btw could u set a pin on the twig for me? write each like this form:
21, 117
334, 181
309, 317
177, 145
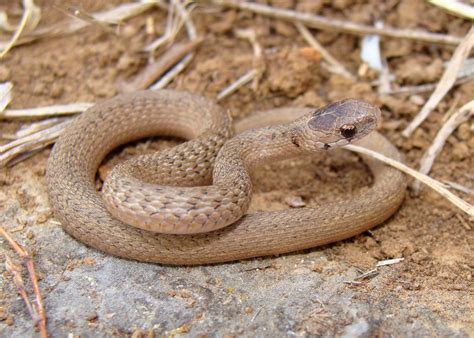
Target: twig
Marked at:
435, 185
5, 95
463, 222
191, 31
446, 82
169, 76
320, 22
155, 70
31, 142
254, 74
16, 271
460, 116
258, 59
56, 110
244, 79
459, 187
37, 311
427, 87
334, 65
367, 275
171, 30
35, 127
389, 262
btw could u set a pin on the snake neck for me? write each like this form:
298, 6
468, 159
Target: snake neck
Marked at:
255, 147
268, 144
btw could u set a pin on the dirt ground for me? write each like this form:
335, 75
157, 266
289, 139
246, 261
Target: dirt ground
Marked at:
88, 293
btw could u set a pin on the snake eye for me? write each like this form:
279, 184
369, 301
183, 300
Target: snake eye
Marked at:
348, 130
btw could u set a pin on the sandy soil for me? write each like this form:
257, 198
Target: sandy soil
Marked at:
87, 293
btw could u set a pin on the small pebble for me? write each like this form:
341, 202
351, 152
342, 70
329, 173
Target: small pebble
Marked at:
9, 321
39, 88
295, 201
129, 30
125, 62
417, 99
460, 151
5, 73
464, 132
56, 90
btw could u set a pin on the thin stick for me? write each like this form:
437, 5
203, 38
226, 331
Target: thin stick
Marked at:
446, 82
16, 271
170, 75
191, 31
335, 66
427, 87
31, 142
37, 126
460, 116
155, 70
234, 86
435, 185
258, 59
320, 22
169, 35
459, 187
40, 322
56, 110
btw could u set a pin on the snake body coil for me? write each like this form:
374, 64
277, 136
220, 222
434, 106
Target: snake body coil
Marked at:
131, 197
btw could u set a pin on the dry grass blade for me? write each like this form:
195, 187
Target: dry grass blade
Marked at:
169, 76
389, 262
234, 86
335, 66
461, 115
37, 310
446, 82
5, 25
37, 126
320, 22
29, 21
88, 18
435, 185
459, 187
258, 59
173, 27
5, 95
191, 31
117, 14
31, 142
56, 110
254, 74
456, 7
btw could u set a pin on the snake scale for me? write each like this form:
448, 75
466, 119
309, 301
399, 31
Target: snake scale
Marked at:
171, 191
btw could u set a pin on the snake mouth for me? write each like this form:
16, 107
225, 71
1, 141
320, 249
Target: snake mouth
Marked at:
348, 131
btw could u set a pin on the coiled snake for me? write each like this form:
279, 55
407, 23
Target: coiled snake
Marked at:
169, 192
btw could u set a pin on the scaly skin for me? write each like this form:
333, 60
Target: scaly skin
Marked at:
80, 208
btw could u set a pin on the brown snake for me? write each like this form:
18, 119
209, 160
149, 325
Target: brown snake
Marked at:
132, 197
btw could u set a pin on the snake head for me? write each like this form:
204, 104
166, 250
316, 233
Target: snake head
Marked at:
338, 124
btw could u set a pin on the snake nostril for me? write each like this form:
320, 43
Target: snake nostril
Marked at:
348, 130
